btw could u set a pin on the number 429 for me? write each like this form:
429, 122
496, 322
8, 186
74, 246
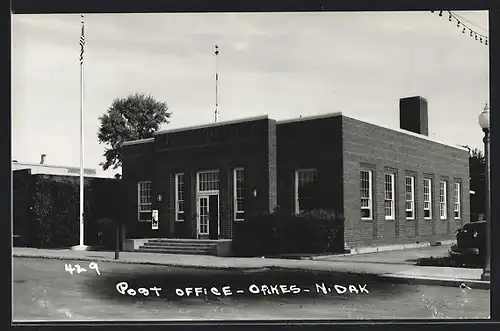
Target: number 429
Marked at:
69, 268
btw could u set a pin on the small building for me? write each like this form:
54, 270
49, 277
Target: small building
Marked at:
46, 203
393, 186
56, 170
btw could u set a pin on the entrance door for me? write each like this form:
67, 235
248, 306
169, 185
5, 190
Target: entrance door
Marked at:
203, 215
213, 210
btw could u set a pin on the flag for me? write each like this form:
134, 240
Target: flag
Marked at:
82, 42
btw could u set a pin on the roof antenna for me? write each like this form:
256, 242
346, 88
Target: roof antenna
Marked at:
216, 82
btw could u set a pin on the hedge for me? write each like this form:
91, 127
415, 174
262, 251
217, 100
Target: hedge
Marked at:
53, 207
314, 232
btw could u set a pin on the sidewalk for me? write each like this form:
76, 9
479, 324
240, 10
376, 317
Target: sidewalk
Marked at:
413, 274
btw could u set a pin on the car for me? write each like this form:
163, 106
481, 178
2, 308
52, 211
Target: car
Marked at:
471, 240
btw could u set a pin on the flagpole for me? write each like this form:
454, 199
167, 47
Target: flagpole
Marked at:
216, 82
81, 246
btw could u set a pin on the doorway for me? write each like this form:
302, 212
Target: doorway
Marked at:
208, 216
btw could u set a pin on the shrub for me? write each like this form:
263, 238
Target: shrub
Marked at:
315, 232
54, 220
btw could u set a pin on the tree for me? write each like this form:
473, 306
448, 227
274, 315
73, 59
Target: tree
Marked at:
477, 182
135, 117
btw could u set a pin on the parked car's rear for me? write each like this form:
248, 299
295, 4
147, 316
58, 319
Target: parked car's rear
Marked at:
471, 240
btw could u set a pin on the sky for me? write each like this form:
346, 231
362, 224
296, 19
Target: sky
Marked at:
283, 65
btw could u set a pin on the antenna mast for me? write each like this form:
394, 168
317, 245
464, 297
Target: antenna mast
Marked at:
216, 82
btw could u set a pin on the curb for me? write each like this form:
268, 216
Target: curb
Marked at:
474, 284
410, 280
110, 260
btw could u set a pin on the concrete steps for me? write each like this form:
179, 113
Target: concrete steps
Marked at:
179, 246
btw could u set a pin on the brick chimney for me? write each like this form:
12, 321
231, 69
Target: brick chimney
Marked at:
42, 158
413, 115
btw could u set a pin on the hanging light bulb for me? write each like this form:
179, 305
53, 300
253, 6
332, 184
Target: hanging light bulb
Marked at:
440, 13
481, 40
471, 33
463, 31
458, 24
486, 42
476, 37
449, 18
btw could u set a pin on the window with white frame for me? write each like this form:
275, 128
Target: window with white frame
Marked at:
442, 200
410, 197
179, 197
144, 200
389, 197
208, 180
456, 201
427, 198
238, 182
366, 194
306, 190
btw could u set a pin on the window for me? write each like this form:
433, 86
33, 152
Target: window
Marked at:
366, 195
389, 196
208, 181
306, 190
144, 200
179, 197
238, 179
442, 200
427, 198
456, 201
410, 197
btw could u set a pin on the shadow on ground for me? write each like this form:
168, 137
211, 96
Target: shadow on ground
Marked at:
472, 262
311, 285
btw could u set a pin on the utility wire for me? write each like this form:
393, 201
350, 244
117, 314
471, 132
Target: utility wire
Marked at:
465, 28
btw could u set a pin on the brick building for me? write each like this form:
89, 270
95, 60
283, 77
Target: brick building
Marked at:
393, 186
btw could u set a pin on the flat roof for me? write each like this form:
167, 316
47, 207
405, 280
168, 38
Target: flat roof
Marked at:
336, 114
195, 127
52, 166
292, 120
210, 125
138, 141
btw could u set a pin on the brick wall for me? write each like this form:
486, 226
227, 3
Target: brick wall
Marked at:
249, 144
137, 166
379, 149
313, 143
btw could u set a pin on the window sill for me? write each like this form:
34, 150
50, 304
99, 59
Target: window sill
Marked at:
179, 221
410, 219
428, 218
238, 220
390, 218
367, 219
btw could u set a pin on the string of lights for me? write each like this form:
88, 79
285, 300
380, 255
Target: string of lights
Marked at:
466, 29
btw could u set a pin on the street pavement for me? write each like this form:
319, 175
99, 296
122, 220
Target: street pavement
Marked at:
52, 289
397, 265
